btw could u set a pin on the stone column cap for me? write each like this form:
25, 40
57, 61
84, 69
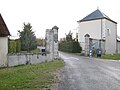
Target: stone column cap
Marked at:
55, 27
87, 35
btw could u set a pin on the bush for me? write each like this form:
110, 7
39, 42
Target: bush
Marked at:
71, 46
11, 47
18, 45
14, 46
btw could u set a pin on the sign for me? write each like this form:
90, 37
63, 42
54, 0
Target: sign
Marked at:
90, 52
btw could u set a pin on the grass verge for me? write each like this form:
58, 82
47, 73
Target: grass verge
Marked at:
111, 56
36, 50
29, 77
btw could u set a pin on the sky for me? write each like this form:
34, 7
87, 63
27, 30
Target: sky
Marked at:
44, 14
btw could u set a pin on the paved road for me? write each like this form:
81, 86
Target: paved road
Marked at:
83, 73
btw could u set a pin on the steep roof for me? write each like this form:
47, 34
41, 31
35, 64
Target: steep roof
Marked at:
3, 28
97, 14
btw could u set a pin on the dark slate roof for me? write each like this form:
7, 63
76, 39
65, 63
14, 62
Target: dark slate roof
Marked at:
97, 14
3, 28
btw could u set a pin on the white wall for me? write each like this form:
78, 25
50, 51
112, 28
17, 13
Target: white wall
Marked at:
111, 37
93, 28
3, 51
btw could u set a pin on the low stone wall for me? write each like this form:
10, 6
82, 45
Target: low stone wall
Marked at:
27, 58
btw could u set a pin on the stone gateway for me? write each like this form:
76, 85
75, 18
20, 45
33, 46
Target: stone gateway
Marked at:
52, 42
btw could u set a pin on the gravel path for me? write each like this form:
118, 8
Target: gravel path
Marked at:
84, 73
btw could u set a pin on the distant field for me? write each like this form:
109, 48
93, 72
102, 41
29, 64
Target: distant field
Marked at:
111, 56
29, 77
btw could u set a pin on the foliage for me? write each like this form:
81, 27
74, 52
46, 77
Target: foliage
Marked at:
14, 46
18, 45
27, 38
29, 77
111, 56
69, 36
11, 47
70, 46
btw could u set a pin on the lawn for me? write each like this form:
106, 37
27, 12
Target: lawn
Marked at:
29, 77
36, 50
111, 56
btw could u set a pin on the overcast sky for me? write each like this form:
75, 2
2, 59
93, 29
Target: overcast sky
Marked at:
44, 14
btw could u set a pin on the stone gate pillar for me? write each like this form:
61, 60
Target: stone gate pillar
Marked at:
55, 42
87, 44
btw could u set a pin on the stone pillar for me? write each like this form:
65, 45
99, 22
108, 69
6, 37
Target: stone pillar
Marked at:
55, 42
50, 42
87, 44
47, 40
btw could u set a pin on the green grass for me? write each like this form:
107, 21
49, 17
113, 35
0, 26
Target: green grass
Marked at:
29, 77
111, 56
36, 50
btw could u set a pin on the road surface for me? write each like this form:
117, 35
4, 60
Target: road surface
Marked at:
84, 73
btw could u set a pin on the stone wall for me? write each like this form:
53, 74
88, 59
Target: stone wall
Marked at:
118, 47
96, 43
28, 58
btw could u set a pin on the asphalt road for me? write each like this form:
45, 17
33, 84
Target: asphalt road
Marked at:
84, 73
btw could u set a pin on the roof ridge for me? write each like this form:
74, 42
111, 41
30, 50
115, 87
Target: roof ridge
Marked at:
104, 15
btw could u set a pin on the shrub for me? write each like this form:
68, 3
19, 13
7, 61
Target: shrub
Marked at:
18, 45
14, 46
70, 46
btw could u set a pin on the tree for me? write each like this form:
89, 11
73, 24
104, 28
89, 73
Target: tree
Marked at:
27, 38
70, 45
69, 36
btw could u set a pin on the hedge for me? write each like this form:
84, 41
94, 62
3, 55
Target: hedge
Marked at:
18, 45
14, 46
71, 46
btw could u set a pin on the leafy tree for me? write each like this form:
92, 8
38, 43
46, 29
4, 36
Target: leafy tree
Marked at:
27, 38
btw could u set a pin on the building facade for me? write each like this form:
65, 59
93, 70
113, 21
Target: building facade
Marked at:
4, 32
100, 28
